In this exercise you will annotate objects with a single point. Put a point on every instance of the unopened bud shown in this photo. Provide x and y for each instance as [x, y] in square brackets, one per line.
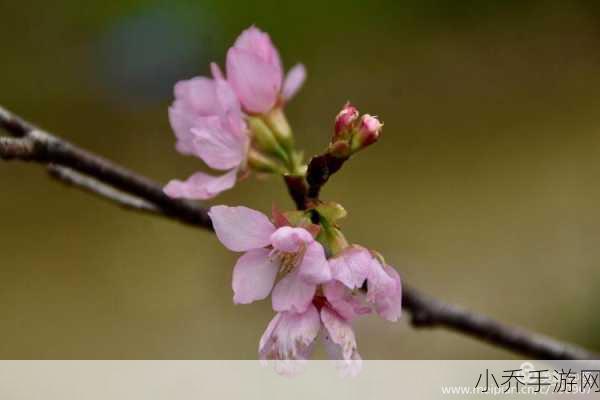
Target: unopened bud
[367, 133]
[264, 138]
[278, 123]
[261, 163]
[345, 121]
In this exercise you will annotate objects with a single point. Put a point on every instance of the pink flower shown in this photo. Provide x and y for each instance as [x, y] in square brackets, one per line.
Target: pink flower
[361, 283]
[255, 72]
[290, 338]
[208, 123]
[292, 252]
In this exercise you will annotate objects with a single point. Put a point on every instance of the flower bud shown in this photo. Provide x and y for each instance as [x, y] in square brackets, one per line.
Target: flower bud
[278, 123]
[264, 138]
[259, 162]
[344, 122]
[367, 133]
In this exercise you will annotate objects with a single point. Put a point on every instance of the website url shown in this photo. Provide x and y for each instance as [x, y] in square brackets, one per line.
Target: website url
[494, 391]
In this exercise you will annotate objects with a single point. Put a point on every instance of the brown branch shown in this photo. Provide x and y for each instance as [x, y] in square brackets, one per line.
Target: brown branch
[426, 311]
[33, 144]
[16, 148]
[297, 190]
[319, 171]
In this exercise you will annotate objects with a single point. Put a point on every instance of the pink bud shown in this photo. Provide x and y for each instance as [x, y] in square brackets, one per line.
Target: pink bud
[345, 120]
[368, 132]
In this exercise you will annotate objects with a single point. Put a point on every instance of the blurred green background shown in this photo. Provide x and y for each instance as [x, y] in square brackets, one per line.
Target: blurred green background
[483, 190]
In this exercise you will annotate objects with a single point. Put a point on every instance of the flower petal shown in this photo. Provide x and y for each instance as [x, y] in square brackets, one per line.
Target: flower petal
[342, 342]
[344, 301]
[388, 304]
[227, 97]
[181, 123]
[289, 239]
[199, 95]
[293, 294]
[346, 368]
[200, 186]
[253, 276]
[241, 228]
[259, 43]
[379, 282]
[352, 266]
[217, 147]
[216, 72]
[290, 336]
[256, 82]
[293, 81]
[314, 267]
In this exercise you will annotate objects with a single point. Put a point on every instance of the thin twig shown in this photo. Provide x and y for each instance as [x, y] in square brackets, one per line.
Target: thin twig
[74, 178]
[426, 311]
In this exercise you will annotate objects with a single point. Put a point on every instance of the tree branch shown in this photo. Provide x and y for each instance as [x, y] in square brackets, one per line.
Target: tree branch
[113, 182]
[16, 148]
[428, 312]
[319, 171]
[33, 144]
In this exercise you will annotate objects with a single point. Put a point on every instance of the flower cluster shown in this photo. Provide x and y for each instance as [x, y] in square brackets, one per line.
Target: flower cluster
[235, 123]
[309, 292]
[318, 282]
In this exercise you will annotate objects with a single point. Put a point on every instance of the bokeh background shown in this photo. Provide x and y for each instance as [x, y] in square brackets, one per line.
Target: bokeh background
[483, 190]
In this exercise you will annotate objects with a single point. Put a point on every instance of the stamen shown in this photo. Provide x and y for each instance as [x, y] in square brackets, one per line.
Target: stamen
[288, 261]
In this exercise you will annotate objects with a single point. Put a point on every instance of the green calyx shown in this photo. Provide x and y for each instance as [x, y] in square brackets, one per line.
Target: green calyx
[272, 143]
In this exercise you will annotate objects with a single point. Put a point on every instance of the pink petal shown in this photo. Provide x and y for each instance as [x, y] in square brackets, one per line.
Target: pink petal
[181, 128]
[181, 123]
[266, 340]
[388, 304]
[343, 342]
[227, 98]
[218, 148]
[293, 81]
[259, 43]
[344, 301]
[290, 336]
[256, 82]
[314, 267]
[289, 239]
[352, 266]
[199, 98]
[216, 72]
[200, 186]
[253, 276]
[241, 228]
[292, 293]
[199, 95]
[379, 282]
[346, 368]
